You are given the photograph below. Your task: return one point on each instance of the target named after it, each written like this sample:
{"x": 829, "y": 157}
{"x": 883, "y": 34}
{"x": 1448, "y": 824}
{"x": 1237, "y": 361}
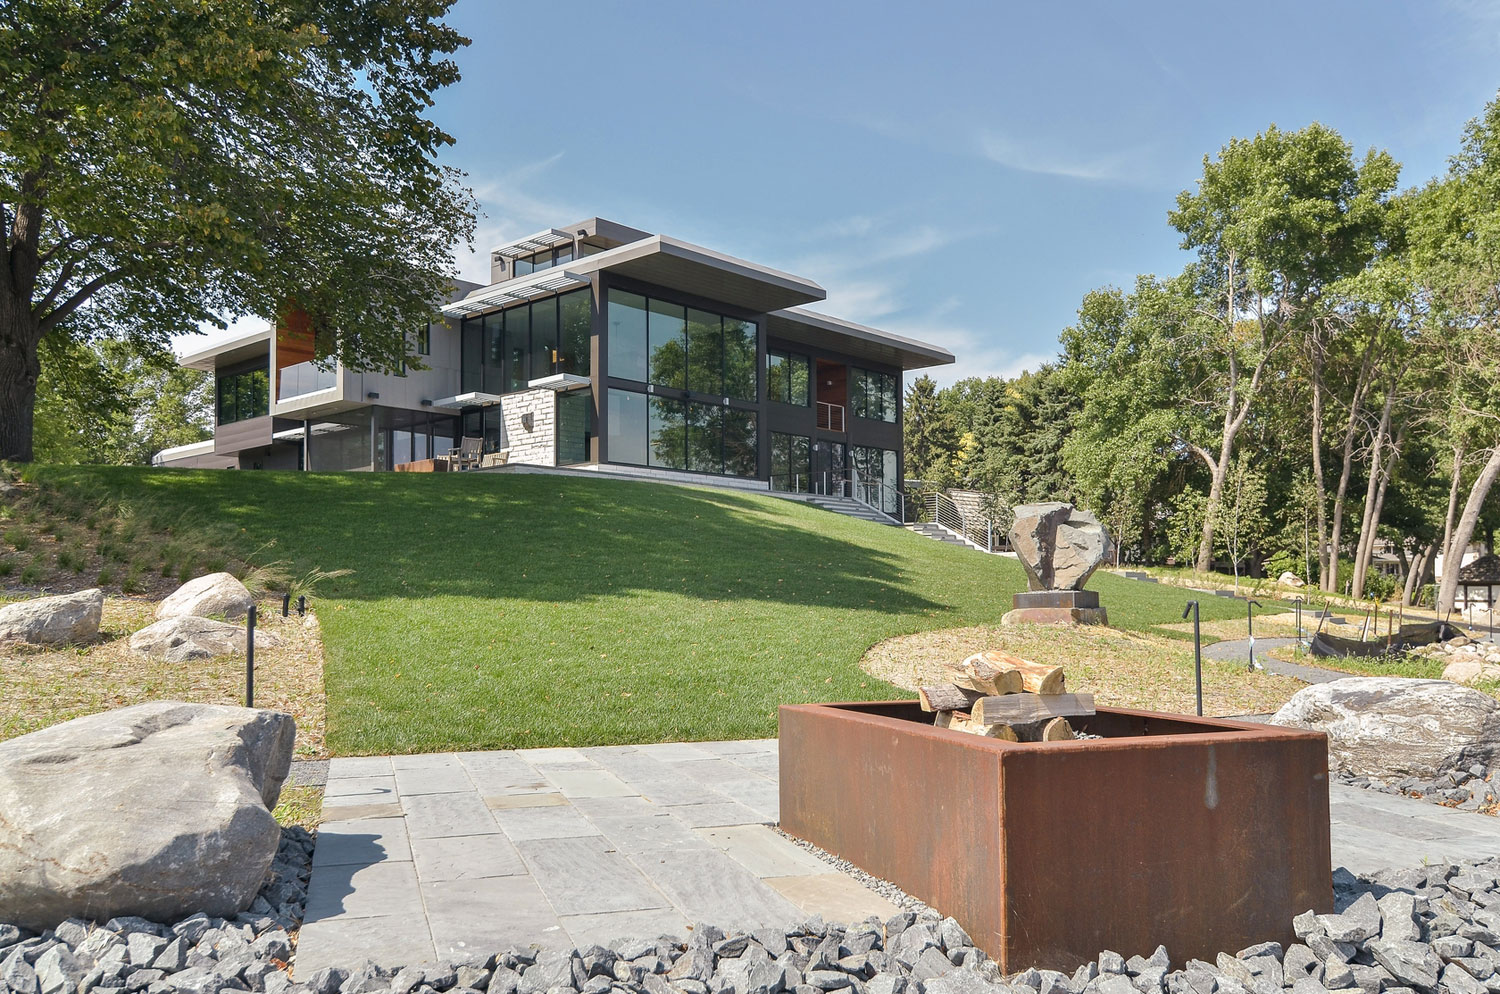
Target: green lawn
{"x": 490, "y": 611}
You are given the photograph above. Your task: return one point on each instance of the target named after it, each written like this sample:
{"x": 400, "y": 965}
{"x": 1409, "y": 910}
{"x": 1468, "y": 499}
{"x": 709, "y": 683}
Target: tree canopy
{"x": 169, "y": 164}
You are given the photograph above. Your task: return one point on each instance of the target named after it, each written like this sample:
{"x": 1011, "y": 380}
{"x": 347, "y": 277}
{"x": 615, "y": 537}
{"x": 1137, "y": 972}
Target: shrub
{"x": 7, "y": 567}
{"x": 1380, "y": 586}
{"x": 17, "y": 539}
{"x": 131, "y": 583}
{"x": 32, "y": 573}
{"x": 106, "y": 576}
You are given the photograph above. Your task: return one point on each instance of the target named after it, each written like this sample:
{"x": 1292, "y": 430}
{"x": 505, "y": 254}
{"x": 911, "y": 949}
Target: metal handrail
{"x": 880, "y": 497}
{"x": 830, "y": 416}
{"x": 943, "y": 510}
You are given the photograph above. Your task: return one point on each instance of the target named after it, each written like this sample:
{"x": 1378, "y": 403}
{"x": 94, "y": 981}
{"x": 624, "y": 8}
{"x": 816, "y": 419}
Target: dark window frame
{"x": 688, "y": 392}
{"x": 720, "y": 417}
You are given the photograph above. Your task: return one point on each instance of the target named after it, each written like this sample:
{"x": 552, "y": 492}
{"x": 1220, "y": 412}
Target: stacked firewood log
{"x": 1001, "y": 696}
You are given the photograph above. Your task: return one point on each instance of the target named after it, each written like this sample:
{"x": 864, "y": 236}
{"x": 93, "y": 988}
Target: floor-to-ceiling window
{"x": 875, "y": 470}
{"x": 874, "y": 395}
{"x": 691, "y": 361}
{"x": 503, "y": 351}
{"x": 675, "y": 434}
{"x": 575, "y": 426}
{"x": 791, "y": 463}
{"x": 787, "y": 377}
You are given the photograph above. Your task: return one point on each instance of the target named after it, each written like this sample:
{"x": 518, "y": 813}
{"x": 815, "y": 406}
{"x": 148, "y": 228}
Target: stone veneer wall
{"x": 538, "y": 446}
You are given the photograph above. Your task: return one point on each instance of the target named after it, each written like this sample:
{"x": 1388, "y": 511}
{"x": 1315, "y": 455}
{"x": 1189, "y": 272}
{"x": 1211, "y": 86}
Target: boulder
{"x": 53, "y": 620}
{"x": 1059, "y": 545}
{"x": 1290, "y": 579}
{"x": 1471, "y": 669}
{"x": 178, "y": 640}
{"x": 158, "y": 810}
{"x": 1386, "y": 727}
{"x": 216, "y": 593}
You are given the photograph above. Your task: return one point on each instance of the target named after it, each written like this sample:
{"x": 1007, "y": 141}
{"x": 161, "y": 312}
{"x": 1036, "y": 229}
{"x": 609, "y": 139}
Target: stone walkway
{"x": 448, "y": 854}
{"x": 1238, "y": 651}
{"x": 440, "y": 856}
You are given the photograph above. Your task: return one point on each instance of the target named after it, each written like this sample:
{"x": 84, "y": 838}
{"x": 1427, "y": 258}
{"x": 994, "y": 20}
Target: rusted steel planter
{"x": 1201, "y": 834}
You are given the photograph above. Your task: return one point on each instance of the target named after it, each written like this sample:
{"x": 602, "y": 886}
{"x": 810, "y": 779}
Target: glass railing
{"x": 304, "y": 378}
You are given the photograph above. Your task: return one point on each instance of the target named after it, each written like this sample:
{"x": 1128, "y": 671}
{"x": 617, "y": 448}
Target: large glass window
{"x": 627, "y": 335}
{"x": 543, "y": 337}
{"x": 517, "y": 348}
{"x": 344, "y": 442}
{"x": 787, "y": 376}
{"x": 576, "y": 333}
{"x": 666, "y": 334}
{"x": 874, "y": 395}
{"x": 487, "y": 424}
{"x": 667, "y": 445}
{"x": 791, "y": 462}
{"x": 241, "y": 396}
{"x": 627, "y": 427}
{"x": 494, "y": 353}
{"x": 472, "y": 344}
{"x": 705, "y": 344}
{"x": 673, "y": 434}
{"x": 683, "y": 348}
{"x": 739, "y": 359}
{"x": 575, "y": 426}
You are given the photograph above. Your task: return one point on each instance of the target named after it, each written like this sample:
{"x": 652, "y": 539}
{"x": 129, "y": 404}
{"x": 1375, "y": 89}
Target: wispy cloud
{"x": 1127, "y": 166}
{"x": 976, "y": 353}
{"x": 508, "y": 211}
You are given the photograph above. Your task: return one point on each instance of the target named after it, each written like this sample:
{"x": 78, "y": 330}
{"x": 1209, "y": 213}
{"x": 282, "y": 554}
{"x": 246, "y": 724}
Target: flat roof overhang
{"x": 702, "y": 272}
{"x": 238, "y": 349}
{"x": 664, "y": 262}
{"x": 837, "y": 335}
{"x": 560, "y": 382}
{"x": 543, "y": 284}
{"x": 473, "y": 398}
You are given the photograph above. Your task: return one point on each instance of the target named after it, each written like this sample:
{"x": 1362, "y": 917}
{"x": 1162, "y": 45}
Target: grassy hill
{"x": 490, "y": 610}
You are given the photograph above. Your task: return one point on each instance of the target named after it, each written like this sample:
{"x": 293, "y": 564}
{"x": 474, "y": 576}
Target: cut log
{"x": 976, "y": 673}
{"x": 1036, "y": 678}
{"x": 1015, "y": 709}
{"x": 960, "y": 722}
{"x": 947, "y": 698}
{"x": 1058, "y": 730}
{"x": 944, "y": 719}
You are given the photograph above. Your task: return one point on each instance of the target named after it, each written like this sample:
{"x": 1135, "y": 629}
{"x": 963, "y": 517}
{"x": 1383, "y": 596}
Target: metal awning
{"x": 545, "y": 283}
{"x": 532, "y": 244}
{"x": 560, "y": 382}
{"x": 473, "y": 398}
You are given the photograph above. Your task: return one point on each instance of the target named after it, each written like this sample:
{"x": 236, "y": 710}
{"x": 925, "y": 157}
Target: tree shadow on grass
{"x": 542, "y": 538}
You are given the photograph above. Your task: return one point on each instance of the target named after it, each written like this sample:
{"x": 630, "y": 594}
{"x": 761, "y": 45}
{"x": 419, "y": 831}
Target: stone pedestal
{"x": 1056, "y": 607}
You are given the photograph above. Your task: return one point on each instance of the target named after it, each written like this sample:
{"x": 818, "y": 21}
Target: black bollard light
{"x": 1250, "y": 607}
{"x": 250, "y": 657}
{"x": 286, "y": 603}
{"x": 301, "y": 605}
{"x": 1197, "y": 652}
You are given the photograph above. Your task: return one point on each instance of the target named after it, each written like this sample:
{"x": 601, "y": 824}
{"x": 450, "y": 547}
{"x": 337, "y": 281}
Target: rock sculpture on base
{"x": 1060, "y": 547}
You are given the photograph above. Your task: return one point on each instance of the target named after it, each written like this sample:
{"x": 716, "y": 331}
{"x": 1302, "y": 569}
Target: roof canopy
{"x": 837, "y": 335}
{"x": 1482, "y": 572}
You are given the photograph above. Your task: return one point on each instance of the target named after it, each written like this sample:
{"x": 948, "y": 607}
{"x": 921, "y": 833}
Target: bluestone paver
{"x": 451, "y": 856}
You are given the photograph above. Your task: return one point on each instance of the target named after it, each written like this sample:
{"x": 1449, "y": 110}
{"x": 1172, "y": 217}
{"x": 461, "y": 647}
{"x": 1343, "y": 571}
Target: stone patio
{"x": 446, "y": 855}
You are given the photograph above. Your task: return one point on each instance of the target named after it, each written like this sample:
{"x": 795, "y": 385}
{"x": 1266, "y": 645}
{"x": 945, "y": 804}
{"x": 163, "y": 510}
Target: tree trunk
{"x": 1317, "y": 469}
{"x": 1453, "y": 485}
{"x": 1215, "y": 495}
{"x": 1330, "y": 578}
{"x": 1464, "y": 532}
{"x": 1376, "y": 484}
{"x": 19, "y": 369}
{"x": 1417, "y": 571}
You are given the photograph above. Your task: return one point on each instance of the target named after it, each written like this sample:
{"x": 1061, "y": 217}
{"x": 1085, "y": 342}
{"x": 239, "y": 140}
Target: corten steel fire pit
{"x": 1202, "y": 834}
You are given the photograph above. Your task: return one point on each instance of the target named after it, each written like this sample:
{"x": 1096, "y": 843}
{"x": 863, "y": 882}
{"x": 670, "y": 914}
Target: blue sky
{"x": 961, "y": 173}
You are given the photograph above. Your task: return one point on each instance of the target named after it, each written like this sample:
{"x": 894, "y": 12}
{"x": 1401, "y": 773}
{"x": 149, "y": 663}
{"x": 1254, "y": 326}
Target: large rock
{"x": 1387, "y": 726}
{"x": 158, "y": 810}
{"x": 178, "y": 640}
{"x": 1471, "y": 669}
{"x": 1059, "y": 545}
{"x": 53, "y": 620}
{"x": 216, "y": 593}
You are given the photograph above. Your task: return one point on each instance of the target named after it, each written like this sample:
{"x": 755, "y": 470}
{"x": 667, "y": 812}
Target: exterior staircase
{"x": 852, "y": 508}
{"x": 939, "y": 534}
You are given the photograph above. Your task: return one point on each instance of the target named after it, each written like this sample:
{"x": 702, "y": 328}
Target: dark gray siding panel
{"x": 241, "y": 435}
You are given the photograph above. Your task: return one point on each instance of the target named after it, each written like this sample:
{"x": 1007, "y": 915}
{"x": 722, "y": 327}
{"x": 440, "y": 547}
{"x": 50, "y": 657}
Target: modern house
{"x": 595, "y": 346}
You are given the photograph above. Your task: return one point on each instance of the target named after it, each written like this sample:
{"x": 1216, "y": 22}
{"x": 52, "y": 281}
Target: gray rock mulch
{"x": 1430, "y": 929}
{"x": 1470, "y": 789}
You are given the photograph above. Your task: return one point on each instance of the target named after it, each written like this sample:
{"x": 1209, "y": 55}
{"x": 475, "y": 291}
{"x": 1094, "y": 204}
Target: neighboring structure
{"x": 595, "y": 346}
{"x": 1478, "y": 584}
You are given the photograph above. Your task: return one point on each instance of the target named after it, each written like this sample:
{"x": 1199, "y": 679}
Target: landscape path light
{"x": 1250, "y": 607}
{"x": 250, "y": 657}
{"x": 1197, "y": 652}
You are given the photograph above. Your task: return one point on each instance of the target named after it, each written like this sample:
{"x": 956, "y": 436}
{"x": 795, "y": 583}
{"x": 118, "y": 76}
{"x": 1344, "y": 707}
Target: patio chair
{"x": 466, "y": 456}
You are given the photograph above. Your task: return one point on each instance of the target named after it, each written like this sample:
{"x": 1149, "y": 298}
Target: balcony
{"x": 831, "y": 417}
{"x": 304, "y": 378}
